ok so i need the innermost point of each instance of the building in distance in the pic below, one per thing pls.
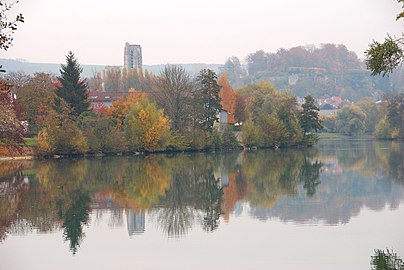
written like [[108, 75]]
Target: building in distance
[[132, 56]]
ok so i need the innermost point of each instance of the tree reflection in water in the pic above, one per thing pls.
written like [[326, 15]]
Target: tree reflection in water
[[181, 191], [194, 194], [74, 217]]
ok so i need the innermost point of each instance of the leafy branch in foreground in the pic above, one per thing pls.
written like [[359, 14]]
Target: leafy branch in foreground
[[386, 260], [383, 58], [7, 28]]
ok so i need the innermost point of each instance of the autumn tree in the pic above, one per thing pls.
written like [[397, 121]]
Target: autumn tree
[[147, 127], [72, 89], [12, 129], [95, 82], [272, 117], [36, 98], [257, 62], [240, 109], [113, 79], [102, 133], [121, 107], [172, 91], [60, 133]]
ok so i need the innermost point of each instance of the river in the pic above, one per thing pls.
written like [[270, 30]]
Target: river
[[327, 207]]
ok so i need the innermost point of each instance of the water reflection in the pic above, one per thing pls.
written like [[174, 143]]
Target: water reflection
[[327, 184], [74, 217]]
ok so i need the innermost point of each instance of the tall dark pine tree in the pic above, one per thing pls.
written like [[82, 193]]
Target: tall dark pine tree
[[73, 90], [208, 96], [309, 118]]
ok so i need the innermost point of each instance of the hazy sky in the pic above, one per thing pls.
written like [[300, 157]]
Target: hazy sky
[[194, 31]]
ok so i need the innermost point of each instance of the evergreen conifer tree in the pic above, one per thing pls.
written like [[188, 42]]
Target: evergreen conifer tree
[[73, 90], [309, 118], [208, 96]]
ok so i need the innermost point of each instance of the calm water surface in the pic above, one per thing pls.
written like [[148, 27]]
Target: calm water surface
[[323, 208]]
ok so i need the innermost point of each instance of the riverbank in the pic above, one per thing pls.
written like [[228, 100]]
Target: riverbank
[[27, 152]]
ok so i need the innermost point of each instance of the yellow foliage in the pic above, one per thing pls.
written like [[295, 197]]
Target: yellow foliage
[[79, 142], [147, 126], [44, 142]]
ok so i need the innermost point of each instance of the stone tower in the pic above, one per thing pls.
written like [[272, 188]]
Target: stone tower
[[132, 56]]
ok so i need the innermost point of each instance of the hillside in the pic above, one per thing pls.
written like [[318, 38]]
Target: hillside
[[324, 71], [12, 65]]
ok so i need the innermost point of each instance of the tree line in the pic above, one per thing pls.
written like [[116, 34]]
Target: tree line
[[176, 113], [383, 120]]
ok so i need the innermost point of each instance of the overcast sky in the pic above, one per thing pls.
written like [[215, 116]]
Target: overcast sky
[[194, 31]]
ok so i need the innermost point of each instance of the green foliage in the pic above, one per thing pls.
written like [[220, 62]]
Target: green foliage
[[261, 98], [229, 140], [74, 217], [395, 113], [270, 131], [383, 129], [292, 133], [102, 134], [177, 142], [73, 90], [30, 142], [372, 112], [309, 118], [386, 260], [351, 120], [251, 134], [273, 117], [207, 96], [310, 175], [216, 139], [310, 139], [60, 135], [329, 123], [383, 58]]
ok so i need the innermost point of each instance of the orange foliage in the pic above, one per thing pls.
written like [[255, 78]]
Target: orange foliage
[[231, 195], [120, 107], [228, 97]]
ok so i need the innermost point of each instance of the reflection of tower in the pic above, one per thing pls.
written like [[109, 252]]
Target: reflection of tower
[[135, 221], [222, 175]]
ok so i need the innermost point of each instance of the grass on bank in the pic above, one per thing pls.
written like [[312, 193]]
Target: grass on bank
[[327, 135], [30, 142]]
